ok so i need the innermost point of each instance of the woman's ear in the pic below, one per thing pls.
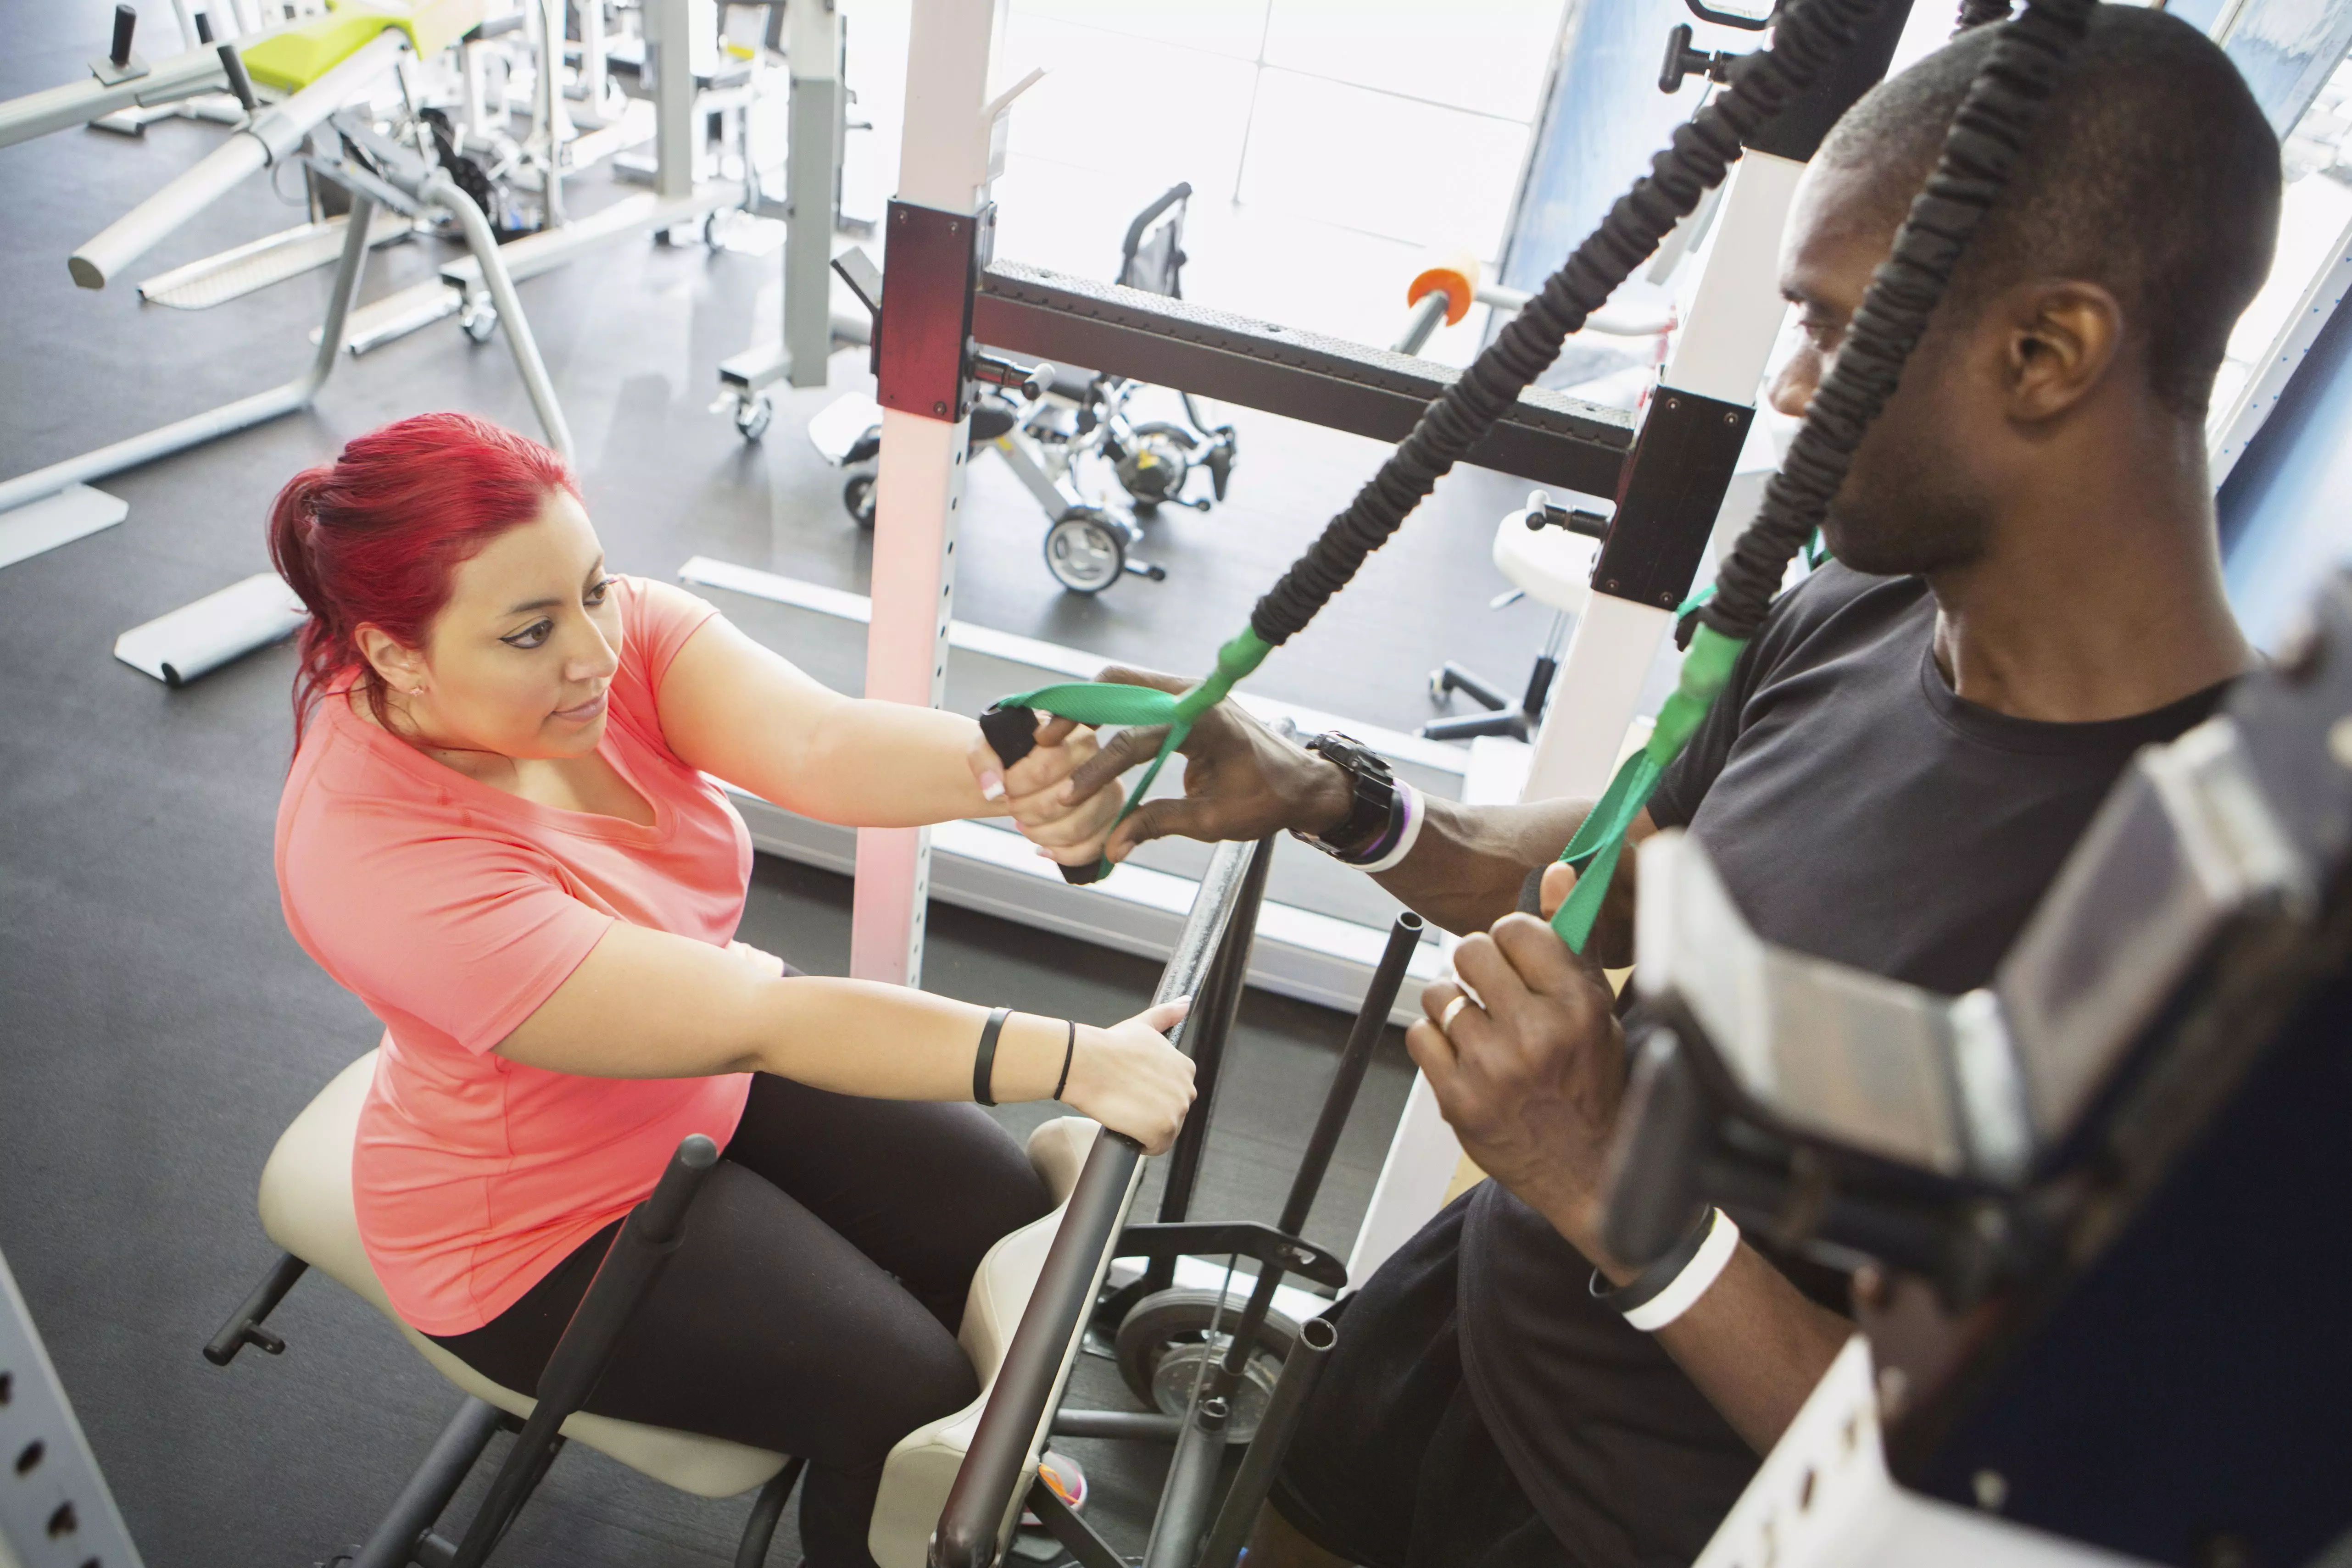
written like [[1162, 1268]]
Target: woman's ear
[[2060, 341], [400, 667]]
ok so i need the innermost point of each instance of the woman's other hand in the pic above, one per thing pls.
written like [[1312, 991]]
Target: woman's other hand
[[1034, 793], [1129, 1077]]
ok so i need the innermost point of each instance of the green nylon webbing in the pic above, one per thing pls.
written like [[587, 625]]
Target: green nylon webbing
[[1598, 843], [1098, 702], [1601, 840]]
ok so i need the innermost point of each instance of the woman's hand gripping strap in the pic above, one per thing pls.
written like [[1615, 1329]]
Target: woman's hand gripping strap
[[1594, 851], [1010, 724]]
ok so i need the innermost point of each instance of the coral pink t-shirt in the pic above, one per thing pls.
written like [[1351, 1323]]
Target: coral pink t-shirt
[[453, 909]]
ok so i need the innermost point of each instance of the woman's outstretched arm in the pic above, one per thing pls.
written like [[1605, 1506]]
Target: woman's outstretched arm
[[649, 1004], [750, 717]]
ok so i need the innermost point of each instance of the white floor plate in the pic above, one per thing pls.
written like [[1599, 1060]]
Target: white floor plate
[[74, 512], [197, 638], [233, 274]]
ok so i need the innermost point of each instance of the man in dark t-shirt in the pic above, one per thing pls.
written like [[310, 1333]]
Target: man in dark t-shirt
[[2026, 590]]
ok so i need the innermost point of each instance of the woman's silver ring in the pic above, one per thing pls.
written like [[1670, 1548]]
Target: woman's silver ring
[[1445, 1019]]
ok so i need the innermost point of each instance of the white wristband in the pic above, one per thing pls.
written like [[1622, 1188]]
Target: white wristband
[[1679, 1297], [1413, 813]]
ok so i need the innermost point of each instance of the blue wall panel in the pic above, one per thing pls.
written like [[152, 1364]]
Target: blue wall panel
[[2286, 508]]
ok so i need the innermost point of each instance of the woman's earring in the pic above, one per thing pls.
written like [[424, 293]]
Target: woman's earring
[[416, 691]]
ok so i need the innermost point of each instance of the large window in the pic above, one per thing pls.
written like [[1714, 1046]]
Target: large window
[[1330, 143]]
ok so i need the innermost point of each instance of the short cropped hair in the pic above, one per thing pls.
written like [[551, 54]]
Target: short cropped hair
[[2153, 174]]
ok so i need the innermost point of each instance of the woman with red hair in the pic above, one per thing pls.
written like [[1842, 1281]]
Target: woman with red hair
[[500, 833]]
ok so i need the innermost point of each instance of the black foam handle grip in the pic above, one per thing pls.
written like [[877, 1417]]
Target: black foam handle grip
[[126, 19], [232, 67], [1012, 734]]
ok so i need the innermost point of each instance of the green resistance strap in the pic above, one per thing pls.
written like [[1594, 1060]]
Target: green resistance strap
[[1098, 703], [1594, 851], [1598, 843]]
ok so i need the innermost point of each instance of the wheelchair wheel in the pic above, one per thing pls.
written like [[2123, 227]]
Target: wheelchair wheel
[[1166, 1343], [858, 495], [1086, 551]]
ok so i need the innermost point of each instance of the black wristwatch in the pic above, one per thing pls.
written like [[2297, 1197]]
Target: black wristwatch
[[1374, 796]]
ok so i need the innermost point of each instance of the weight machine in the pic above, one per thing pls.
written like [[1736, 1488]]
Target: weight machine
[[324, 127]]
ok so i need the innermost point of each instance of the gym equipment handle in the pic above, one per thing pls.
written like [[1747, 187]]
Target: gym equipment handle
[[1012, 734], [1002, 1455], [232, 67], [126, 20]]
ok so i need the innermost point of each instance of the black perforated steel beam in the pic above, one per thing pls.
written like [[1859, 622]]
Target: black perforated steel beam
[[1550, 439]]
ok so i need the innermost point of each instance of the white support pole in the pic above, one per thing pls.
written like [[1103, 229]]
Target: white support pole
[[943, 165], [1734, 321]]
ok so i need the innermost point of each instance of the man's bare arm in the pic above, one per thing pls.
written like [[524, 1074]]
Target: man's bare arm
[[1243, 781]]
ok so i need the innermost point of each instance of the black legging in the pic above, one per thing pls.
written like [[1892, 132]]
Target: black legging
[[812, 1309]]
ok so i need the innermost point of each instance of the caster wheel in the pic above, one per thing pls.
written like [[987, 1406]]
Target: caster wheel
[[479, 320], [714, 233], [1086, 551], [1166, 1343], [1438, 690], [858, 495], [752, 418]]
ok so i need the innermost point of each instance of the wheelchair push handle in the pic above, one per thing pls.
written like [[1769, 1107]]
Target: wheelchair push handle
[[1012, 734]]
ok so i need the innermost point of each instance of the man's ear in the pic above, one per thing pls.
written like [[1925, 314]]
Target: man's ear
[[397, 666], [2059, 340]]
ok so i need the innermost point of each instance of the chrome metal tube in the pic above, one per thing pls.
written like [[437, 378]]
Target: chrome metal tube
[[272, 134], [78, 103], [443, 192]]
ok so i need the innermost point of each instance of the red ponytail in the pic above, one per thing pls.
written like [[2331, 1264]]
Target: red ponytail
[[374, 538]]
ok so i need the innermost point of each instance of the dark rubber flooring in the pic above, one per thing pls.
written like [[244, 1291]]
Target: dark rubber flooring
[[158, 1028]]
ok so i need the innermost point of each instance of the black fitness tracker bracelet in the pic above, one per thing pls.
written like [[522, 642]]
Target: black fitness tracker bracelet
[[1069, 1053], [984, 1065], [1661, 1273], [1373, 796]]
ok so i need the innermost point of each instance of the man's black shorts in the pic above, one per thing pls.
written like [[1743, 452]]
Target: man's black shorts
[[1395, 1466]]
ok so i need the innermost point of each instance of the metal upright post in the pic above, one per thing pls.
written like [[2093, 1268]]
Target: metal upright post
[[1699, 419], [670, 40], [932, 253], [815, 124], [553, 121]]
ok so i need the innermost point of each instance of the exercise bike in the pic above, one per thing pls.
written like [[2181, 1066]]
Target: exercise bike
[[1075, 423]]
